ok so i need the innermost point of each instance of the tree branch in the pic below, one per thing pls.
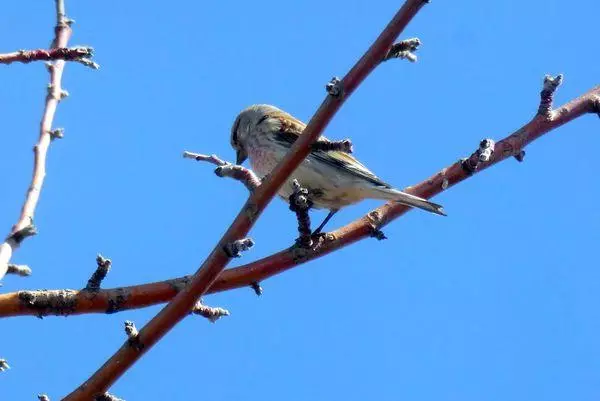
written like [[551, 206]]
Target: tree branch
[[216, 262], [226, 169], [54, 96], [67, 302], [80, 54]]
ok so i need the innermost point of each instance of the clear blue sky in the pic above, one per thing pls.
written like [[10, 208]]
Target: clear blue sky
[[498, 301]]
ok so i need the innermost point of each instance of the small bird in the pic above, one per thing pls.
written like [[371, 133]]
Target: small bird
[[334, 179]]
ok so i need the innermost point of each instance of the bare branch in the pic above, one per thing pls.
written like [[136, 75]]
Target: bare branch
[[216, 262], [66, 302], [225, 169], [80, 54], [62, 35]]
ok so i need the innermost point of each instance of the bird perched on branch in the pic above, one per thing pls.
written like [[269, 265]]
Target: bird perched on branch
[[334, 179]]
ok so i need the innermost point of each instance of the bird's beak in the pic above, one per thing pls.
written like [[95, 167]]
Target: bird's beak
[[241, 156]]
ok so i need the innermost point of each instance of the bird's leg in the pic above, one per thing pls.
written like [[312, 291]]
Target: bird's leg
[[322, 225]]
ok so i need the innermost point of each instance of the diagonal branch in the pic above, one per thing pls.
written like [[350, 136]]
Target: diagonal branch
[[24, 226], [208, 272], [66, 302]]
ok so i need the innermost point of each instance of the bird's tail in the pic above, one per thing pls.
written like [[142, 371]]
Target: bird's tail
[[409, 200]]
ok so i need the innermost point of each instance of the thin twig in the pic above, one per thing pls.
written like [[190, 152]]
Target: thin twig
[[55, 94], [80, 54], [216, 262], [66, 302], [226, 169]]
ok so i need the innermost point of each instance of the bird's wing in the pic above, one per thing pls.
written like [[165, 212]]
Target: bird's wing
[[291, 128]]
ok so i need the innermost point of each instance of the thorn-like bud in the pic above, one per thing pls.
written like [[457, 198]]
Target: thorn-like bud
[[404, 50], [49, 66], [64, 94], [131, 330], [43, 397], [257, 288], [20, 235], [102, 269], [57, 133], [520, 156], [211, 313], [4, 365], [19, 270], [335, 87], [234, 249], [486, 149]]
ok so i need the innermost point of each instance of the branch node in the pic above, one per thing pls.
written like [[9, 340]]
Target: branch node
[[99, 274], [374, 218], [345, 145], [258, 290], [486, 149], [482, 155], [19, 270], [445, 183], [4, 365], [547, 94], [300, 203], [520, 156], [404, 50], [57, 133], [211, 313], [19, 235], [132, 335], [335, 87], [234, 249]]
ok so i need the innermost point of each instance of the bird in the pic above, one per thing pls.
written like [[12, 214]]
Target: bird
[[334, 179]]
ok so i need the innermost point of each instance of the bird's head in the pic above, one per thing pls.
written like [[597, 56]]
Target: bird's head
[[247, 124]]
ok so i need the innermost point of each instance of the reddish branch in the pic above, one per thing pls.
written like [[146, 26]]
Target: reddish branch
[[208, 272], [66, 302], [24, 226], [81, 54]]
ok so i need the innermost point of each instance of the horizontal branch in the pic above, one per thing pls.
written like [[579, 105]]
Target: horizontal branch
[[80, 54], [71, 302]]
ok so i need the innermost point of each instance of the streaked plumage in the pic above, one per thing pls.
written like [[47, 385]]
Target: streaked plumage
[[264, 134]]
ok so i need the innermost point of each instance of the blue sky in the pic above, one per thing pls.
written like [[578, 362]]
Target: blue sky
[[498, 301]]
